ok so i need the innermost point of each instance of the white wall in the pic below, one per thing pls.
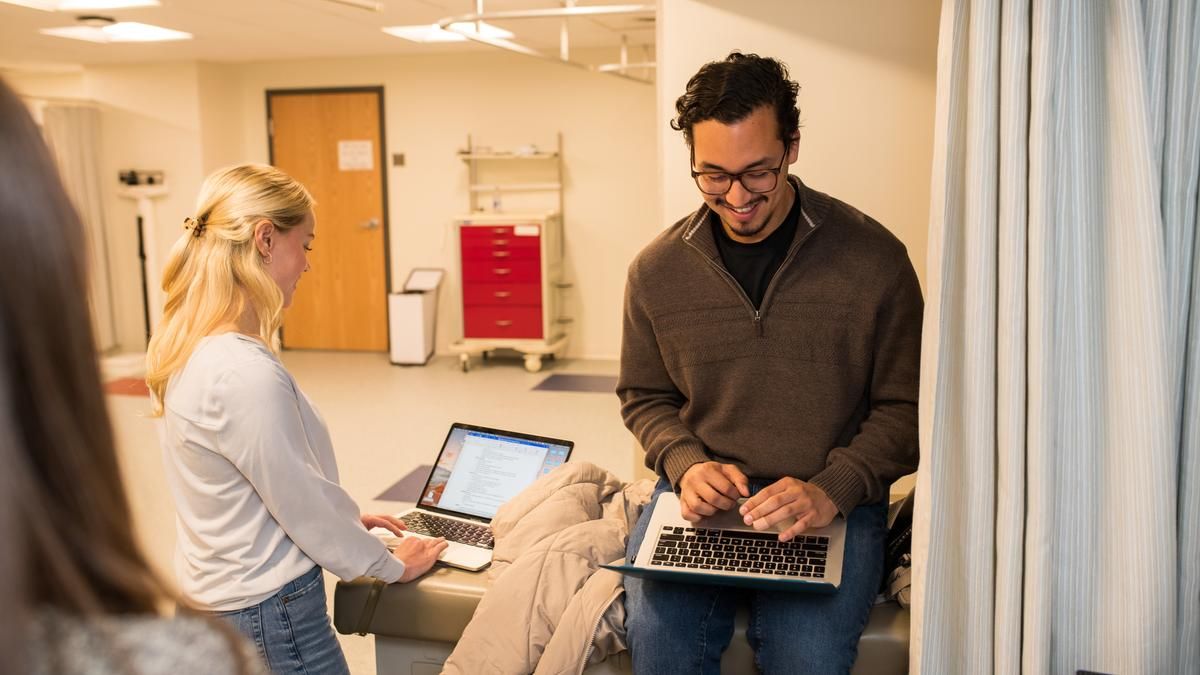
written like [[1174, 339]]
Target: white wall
[[220, 92], [149, 118], [188, 119], [40, 88], [867, 72], [431, 104]]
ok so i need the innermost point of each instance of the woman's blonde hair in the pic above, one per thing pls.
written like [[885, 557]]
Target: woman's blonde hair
[[215, 272]]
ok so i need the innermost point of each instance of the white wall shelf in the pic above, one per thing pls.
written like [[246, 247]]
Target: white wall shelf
[[476, 157], [511, 261]]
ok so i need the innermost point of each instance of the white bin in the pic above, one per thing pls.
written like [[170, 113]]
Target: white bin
[[412, 318]]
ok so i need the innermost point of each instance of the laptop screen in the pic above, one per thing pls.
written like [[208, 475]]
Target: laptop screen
[[479, 469]]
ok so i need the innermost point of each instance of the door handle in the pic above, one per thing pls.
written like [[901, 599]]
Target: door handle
[[503, 323], [499, 242], [369, 224], [502, 294], [501, 271], [501, 254]]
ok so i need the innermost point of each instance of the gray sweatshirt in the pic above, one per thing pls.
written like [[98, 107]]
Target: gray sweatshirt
[[136, 645]]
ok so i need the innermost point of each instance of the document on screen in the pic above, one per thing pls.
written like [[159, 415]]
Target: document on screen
[[491, 470]]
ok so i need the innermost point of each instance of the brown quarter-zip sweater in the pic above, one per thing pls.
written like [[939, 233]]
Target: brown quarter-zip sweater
[[819, 384]]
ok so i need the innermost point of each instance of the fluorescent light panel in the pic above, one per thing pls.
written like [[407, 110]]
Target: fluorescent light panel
[[44, 5], [89, 33], [125, 31], [432, 33], [81, 5]]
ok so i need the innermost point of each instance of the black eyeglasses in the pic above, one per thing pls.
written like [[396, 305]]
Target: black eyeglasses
[[755, 180]]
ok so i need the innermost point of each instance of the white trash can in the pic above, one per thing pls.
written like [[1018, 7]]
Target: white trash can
[[412, 318]]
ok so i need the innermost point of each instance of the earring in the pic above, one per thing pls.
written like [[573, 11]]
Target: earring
[[266, 258]]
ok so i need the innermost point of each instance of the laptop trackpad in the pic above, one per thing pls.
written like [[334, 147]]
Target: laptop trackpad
[[732, 520]]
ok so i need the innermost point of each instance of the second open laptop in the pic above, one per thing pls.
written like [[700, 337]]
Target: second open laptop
[[477, 470], [723, 550]]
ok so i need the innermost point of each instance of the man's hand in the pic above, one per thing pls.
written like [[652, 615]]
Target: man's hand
[[390, 523], [788, 498], [418, 555], [708, 487]]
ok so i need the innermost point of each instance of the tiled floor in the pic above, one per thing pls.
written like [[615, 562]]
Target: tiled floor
[[386, 420]]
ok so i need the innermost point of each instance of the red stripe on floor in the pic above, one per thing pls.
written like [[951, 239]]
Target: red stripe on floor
[[127, 386]]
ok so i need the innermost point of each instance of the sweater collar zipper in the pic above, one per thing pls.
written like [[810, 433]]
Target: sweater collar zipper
[[755, 313], [787, 260]]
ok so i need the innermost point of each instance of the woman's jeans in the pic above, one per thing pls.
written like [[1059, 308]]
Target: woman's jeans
[[291, 629], [684, 628]]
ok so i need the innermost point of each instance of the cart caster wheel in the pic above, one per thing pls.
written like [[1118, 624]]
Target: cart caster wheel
[[533, 362], [464, 362], [486, 356]]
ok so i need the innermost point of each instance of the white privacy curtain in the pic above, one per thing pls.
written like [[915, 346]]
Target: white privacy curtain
[[73, 132], [1058, 503]]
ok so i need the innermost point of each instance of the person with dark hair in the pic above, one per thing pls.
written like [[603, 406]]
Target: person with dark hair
[[770, 353], [78, 593]]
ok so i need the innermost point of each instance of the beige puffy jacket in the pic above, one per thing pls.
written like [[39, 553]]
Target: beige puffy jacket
[[550, 608]]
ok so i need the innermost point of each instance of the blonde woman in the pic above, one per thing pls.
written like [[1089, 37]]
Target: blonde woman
[[249, 460]]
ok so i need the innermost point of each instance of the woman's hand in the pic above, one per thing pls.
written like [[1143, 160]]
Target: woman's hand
[[390, 523], [418, 555]]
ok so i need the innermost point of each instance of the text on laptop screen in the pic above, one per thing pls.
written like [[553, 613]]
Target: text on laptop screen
[[478, 472]]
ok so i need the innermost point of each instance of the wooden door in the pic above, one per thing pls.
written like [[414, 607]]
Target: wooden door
[[332, 142]]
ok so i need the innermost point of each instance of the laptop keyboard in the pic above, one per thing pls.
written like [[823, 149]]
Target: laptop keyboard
[[452, 530], [740, 551]]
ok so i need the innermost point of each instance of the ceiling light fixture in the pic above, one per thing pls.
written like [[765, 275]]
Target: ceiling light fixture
[[104, 30], [368, 5], [570, 10], [44, 5], [81, 5], [94, 5], [456, 33]]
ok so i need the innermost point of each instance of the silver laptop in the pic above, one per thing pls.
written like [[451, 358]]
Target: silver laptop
[[478, 469], [723, 550]]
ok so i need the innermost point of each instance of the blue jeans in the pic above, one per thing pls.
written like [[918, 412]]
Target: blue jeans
[[684, 628], [291, 629]]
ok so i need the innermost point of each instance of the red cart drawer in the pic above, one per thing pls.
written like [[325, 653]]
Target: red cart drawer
[[486, 230], [500, 254], [502, 322], [473, 239], [501, 233], [502, 294], [515, 271]]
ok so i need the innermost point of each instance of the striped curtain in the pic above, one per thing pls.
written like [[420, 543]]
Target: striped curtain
[[1057, 523], [73, 134]]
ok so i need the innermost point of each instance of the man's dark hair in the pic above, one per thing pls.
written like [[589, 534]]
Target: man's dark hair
[[728, 91]]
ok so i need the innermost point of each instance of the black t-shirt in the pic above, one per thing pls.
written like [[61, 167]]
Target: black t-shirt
[[753, 265]]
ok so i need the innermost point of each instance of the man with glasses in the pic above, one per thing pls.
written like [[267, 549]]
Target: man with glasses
[[771, 350]]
